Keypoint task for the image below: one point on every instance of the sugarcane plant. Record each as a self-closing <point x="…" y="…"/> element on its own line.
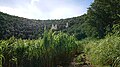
<point x="54" y="48"/>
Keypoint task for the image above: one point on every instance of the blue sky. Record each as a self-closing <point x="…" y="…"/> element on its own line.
<point x="45" y="9"/>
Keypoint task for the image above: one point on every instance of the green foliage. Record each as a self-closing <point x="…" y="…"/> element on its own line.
<point x="82" y="29"/>
<point x="52" y="50"/>
<point x="103" y="15"/>
<point x="0" y="56"/>
<point x="105" y="51"/>
<point x="28" y="28"/>
<point x="98" y="22"/>
<point x="116" y="30"/>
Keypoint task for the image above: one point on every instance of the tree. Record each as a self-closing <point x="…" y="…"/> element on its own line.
<point x="103" y="14"/>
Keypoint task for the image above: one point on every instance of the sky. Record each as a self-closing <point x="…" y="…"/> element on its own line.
<point x="45" y="9"/>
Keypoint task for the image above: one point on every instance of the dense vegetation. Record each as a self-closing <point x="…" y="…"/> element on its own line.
<point x="104" y="52"/>
<point x="52" y="50"/>
<point x="97" y="33"/>
<point x="28" y="28"/>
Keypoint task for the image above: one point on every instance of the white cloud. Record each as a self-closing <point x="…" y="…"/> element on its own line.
<point x="65" y="12"/>
<point x="28" y="11"/>
<point x="39" y="9"/>
<point x="10" y="10"/>
<point x="33" y="1"/>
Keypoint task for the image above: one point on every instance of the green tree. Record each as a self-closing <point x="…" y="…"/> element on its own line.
<point x="103" y="14"/>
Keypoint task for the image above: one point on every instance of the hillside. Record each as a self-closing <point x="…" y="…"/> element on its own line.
<point x="29" y="28"/>
<point x="89" y="40"/>
<point x="100" y="19"/>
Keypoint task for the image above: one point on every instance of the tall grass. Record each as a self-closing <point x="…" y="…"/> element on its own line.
<point x="0" y="56"/>
<point x="51" y="50"/>
<point x="105" y="51"/>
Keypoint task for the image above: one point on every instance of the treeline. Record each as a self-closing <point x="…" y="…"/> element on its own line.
<point x="100" y="19"/>
<point x="28" y="28"/>
<point x="39" y="48"/>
